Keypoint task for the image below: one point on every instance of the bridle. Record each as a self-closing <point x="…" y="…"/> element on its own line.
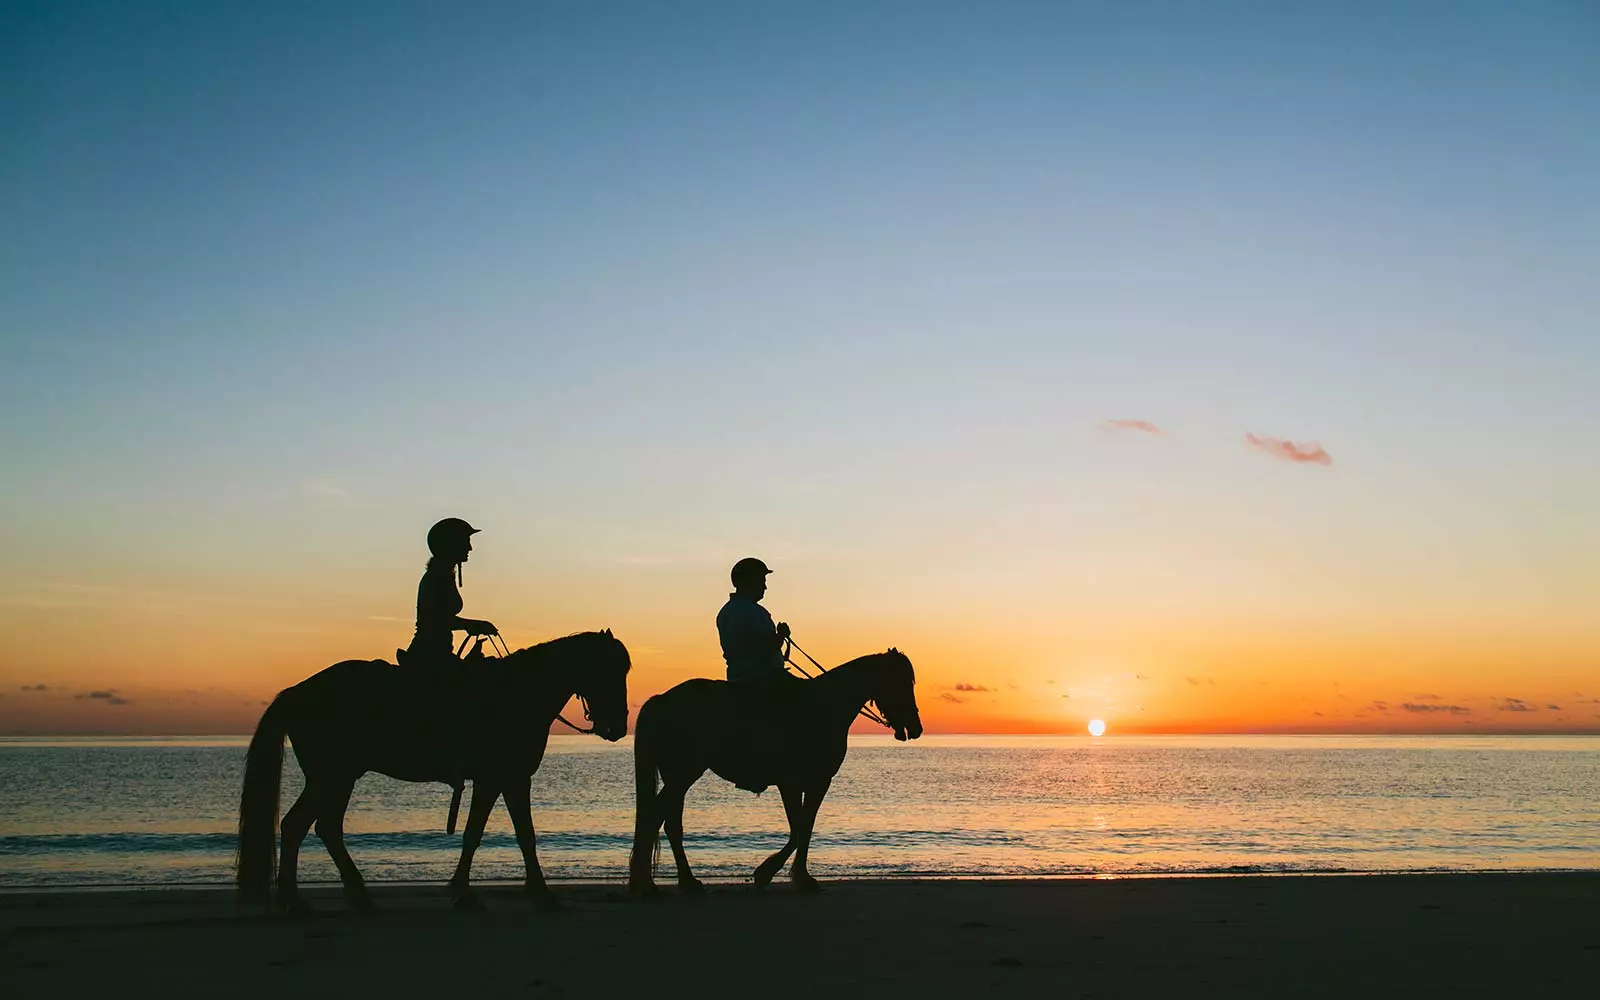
<point x="498" y="645"/>
<point x="867" y="712"/>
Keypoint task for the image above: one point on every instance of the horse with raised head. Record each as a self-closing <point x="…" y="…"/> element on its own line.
<point x="792" y="734"/>
<point x="488" y="721"/>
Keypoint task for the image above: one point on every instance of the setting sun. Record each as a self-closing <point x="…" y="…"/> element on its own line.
<point x="1097" y="727"/>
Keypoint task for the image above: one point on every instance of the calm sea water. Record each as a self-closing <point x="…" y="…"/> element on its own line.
<point x="99" y="811"/>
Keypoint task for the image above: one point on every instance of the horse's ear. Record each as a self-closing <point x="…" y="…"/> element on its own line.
<point x="893" y="650"/>
<point x="608" y="634"/>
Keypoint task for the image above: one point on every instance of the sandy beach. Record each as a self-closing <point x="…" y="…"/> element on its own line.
<point x="1277" y="936"/>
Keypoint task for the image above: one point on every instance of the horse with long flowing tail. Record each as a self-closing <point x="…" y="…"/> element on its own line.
<point x="790" y="733"/>
<point x="487" y="721"/>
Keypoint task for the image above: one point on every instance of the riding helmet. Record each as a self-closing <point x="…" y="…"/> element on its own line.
<point x="749" y="570"/>
<point x="447" y="535"/>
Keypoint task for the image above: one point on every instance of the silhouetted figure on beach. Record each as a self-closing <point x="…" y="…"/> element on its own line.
<point x="755" y="734"/>
<point x="751" y="644"/>
<point x="439" y="599"/>
<point x="360" y="716"/>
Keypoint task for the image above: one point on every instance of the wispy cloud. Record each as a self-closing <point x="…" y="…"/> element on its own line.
<point x="1118" y="426"/>
<point x="947" y="696"/>
<point x="1515" y="705"/>
<point x="1289" y="451"/>
<point x="972" y="687"/>
<point x="35" y="687"/>
<point x="1426" y="707"/>
<point x="110" y="697"/>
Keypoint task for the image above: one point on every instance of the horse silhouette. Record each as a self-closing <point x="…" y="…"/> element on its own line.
<point x="790" y="733"/>
<point x="488" y="721"/>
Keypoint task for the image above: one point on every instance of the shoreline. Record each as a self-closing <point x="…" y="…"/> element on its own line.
<point x="889" y="878"/>
<point x="1434" y="934"/>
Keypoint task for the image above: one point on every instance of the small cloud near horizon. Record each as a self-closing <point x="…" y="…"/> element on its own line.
<point x="1117" y="426"/>
<point x="1515" y="705"/>
<point x="110" y="697"/>
<point x="971" y="687"/>
<point x="947" y="696"/>
<point x="1412" y="706"/>
<point x="1289" y="451"/>
<point x="35" y="687"/>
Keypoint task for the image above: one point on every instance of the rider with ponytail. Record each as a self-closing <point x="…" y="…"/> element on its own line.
<point x="438" y="597"/>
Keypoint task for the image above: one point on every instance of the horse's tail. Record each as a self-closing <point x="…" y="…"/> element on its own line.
<point x="258" y="805"/>
<point x="646" y="778"/>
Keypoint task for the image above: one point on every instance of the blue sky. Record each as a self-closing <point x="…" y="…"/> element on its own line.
<point x="648" y="285"/>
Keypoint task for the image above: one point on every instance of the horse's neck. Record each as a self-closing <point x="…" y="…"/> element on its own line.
<point x="545" y="687"/>
<point x="846" y="689"/>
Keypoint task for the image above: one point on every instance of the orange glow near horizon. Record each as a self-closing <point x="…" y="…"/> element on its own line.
<point x="207" y="666"/>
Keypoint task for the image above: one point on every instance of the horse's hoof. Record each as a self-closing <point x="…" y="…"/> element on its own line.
<point x="691" y="886"/>
<point x="360" y="902"/>
<point x="468" y="902"/>
<point x="805" y="883"/>
<point x="763" y="875"/>
<point x="294" y="905"/>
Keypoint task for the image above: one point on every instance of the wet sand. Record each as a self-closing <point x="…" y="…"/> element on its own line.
<point x="1280" y="936"/>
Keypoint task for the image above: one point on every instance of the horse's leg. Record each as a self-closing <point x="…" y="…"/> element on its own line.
<point x="669" y="805"/>
<point x="792" y="808"/>
<point x="296" y="824"/>
<point x="521" y="810"/>
<point x="330" y="827"/>
<point x="484" y="795"/>
<point x="808" y="823"/>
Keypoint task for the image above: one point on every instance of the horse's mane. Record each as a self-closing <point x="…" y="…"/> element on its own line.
<point x="889" y="656"/>
<point x="563" y="644"/>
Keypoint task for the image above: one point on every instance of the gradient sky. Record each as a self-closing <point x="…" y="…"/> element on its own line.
<point x="644" y="288"/>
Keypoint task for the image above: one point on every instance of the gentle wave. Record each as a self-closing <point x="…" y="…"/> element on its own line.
<point x="160" y="813"/>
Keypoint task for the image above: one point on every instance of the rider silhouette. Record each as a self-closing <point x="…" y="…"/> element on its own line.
<point x="751" y="644"/>
<point x="438" y="599"/>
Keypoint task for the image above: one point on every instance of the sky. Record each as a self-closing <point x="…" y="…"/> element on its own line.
<point x="1200" y="368"/>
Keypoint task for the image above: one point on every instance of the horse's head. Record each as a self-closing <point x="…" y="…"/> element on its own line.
<point x="602" y="685"/>
<point x="895" y="693"/>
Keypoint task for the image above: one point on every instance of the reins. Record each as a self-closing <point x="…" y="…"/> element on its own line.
<point x="790" y="644"/>
<point x="499" y="646"/>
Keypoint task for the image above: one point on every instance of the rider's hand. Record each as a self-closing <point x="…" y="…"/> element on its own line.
<point x="783" y="630"/>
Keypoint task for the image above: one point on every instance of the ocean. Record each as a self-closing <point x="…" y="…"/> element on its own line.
<point x="97" y="811"/>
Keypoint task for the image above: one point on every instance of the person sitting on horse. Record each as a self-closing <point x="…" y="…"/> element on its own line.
<point x="439" y="599"/>
<point x="751" y="644"/>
